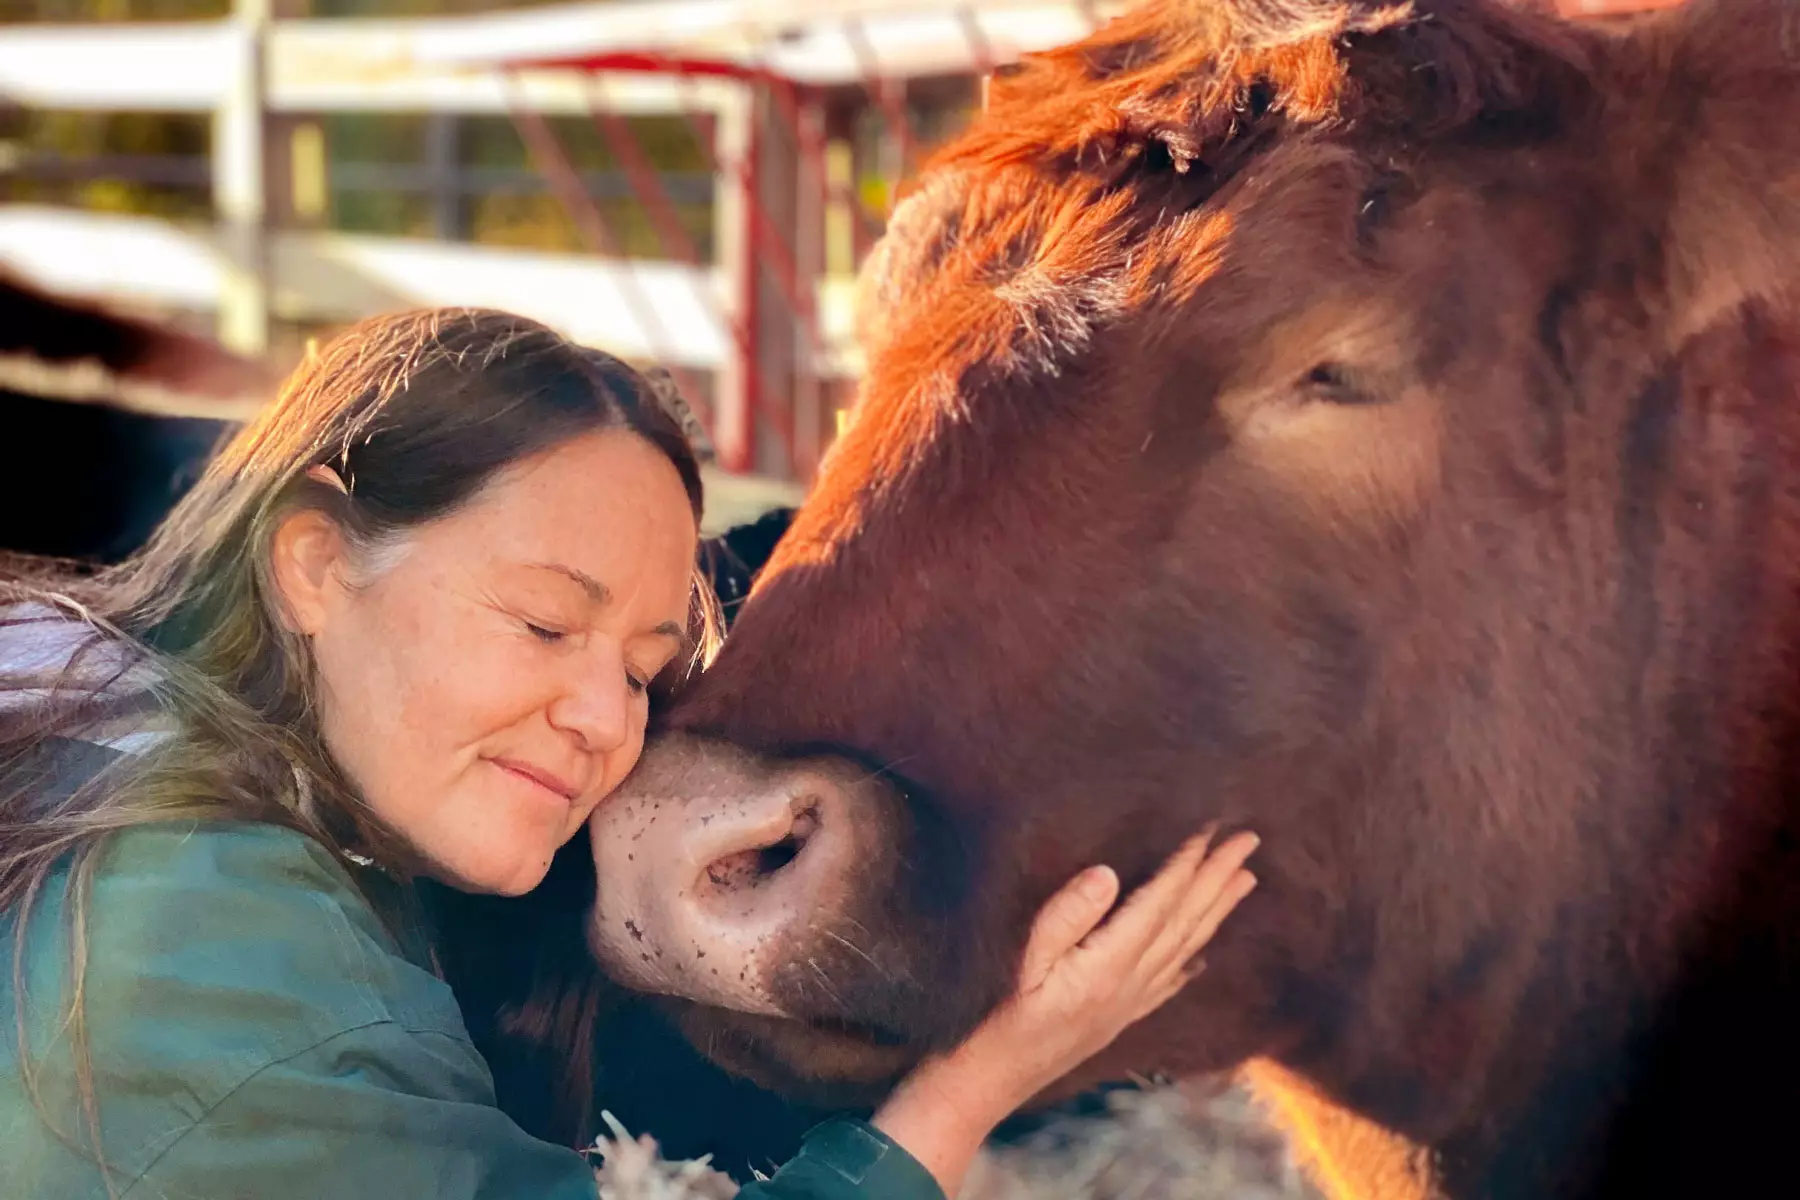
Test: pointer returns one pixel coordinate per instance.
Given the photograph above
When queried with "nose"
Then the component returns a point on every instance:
(711, 875)
(594, 704)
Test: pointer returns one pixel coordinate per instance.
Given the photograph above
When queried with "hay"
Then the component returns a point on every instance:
(1194, 1141)
(632, 1169)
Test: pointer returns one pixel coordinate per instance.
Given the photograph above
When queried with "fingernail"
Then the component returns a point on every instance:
(1096, 883)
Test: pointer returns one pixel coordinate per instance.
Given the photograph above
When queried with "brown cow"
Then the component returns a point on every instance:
(1371, 423)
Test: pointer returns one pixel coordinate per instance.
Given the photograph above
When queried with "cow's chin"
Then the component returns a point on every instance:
(827, 1065)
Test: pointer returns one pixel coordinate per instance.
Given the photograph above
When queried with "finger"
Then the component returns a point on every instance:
(1167, 986)
(1152, 901)
(1223, 864)
(1067, 917)
(1221, 875)
(1123, 946)
(1159, 993)
(1219, 884)
(1158, 930)
(1210, 918)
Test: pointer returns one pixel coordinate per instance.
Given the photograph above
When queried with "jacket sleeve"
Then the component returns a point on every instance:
(848, 1160)
(375, 1113)
(255, 1032)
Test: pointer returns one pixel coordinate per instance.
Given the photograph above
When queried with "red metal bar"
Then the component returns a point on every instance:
(565, 183)
(810, 206)
(978, 39)
(842, 192)
(772, 244)
(889, 94)
(616, 132)
(764, 235)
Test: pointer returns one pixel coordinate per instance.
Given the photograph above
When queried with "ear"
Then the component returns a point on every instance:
(306, 558)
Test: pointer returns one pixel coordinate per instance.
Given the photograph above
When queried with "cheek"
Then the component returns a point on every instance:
(408, 687)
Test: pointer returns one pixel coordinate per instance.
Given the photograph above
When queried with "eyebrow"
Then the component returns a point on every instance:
(600, 594)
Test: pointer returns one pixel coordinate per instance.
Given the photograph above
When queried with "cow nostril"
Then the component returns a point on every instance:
(747, 868)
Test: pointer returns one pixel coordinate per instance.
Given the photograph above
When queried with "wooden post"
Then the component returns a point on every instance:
(781, 305)
(775, 152)
(449, 210)
(240, 194)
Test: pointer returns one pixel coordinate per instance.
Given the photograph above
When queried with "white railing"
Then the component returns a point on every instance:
(338, 277)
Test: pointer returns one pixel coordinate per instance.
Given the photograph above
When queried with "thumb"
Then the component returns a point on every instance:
(1065, 919)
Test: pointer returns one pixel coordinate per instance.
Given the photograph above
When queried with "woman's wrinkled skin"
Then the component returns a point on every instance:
(486, 684)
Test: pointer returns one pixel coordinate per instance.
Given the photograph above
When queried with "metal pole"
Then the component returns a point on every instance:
(673, 238)
(547, 153)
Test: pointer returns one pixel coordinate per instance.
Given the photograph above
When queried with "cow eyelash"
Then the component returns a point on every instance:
(1336, 383)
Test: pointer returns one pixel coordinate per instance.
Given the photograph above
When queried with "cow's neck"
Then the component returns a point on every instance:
(1579, 980)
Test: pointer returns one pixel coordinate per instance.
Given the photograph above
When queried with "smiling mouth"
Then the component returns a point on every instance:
(542, 779)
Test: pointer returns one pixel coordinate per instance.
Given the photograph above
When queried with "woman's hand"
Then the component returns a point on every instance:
(1079, 987)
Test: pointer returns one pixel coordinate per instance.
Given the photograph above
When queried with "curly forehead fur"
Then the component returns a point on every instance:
(1085, 189)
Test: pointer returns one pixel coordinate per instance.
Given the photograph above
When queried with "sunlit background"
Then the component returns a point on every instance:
(689, 182)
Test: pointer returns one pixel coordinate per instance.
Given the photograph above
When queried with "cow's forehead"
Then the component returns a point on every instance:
(1177, 103)
(1024, 276)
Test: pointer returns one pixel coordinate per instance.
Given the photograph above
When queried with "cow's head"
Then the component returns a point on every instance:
(1274, 416)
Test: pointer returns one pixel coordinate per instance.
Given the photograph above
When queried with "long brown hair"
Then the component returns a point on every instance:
(414, 413)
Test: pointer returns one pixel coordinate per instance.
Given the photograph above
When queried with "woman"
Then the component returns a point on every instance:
(407, 626)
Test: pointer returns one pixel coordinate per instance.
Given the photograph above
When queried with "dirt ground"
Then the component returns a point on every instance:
(1192, 1142)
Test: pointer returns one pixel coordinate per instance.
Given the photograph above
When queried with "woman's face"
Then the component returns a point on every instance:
(487, 689)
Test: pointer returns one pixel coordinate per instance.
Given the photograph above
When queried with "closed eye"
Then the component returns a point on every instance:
(1336, 383)
(543, 634)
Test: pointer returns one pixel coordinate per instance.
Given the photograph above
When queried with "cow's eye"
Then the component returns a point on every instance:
(1335, 383)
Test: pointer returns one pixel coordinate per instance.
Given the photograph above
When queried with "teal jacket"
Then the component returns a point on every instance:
(257, 1031)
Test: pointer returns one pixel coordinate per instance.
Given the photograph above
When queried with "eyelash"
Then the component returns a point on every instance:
(548, 636)
(551, 637)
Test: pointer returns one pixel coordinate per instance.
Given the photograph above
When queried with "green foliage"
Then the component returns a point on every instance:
(72, 12)
(374, 137)
(539, 222)
(74, 136)
(667, 142)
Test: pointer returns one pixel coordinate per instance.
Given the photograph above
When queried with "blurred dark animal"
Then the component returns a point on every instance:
(88, 400)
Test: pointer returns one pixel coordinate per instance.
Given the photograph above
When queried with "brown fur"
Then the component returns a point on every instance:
(1373, 424)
